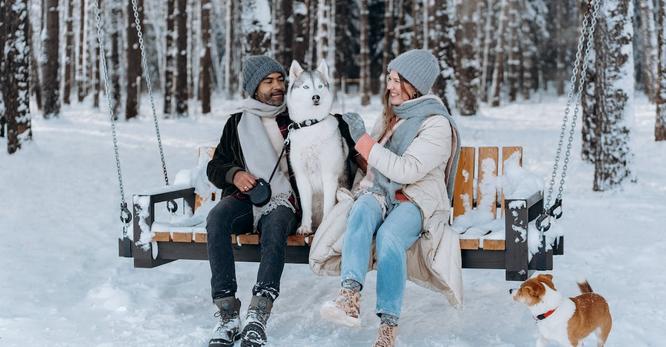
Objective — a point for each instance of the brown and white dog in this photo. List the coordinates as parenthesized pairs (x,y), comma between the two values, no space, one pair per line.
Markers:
(566,321)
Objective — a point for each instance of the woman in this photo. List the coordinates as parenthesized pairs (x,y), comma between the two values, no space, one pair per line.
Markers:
(403,196)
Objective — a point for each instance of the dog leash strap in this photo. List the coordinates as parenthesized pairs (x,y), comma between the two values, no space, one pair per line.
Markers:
(284,147)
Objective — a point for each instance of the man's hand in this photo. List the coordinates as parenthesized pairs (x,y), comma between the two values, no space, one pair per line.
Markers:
(244,181)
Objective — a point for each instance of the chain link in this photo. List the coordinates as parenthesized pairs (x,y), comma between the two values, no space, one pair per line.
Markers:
(146,75)
(586,36)
(112,117)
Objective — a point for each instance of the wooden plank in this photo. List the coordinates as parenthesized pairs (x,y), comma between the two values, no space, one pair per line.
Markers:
(469,243)
(247,239)
(296,240)
(179,236)
(162,236)
(464,184)
(200,237)
(485,154)
(507,152)
(493,245)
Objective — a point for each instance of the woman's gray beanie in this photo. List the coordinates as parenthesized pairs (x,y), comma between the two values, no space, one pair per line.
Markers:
(256,68)
(418,66)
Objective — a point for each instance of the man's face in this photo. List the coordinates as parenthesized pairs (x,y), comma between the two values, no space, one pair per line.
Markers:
(271,89)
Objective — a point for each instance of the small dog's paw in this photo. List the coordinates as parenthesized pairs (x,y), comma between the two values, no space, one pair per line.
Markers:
(304,230)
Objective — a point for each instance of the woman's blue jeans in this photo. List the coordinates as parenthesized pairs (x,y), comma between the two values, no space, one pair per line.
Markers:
(394,236)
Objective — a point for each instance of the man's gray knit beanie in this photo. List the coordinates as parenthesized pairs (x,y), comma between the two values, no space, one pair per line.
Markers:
(418,66)
(256,68)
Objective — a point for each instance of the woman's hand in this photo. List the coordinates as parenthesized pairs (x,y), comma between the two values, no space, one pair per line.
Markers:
(356,125)
(244,181)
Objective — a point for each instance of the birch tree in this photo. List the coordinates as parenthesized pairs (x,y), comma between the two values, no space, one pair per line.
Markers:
(660,124)
(364,84)
(17,79)
(181,59)
(51,66)
(614,94)
(206,64)
(69,52)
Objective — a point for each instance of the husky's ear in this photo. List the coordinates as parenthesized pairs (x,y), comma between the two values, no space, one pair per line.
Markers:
(323,69)
(295,70)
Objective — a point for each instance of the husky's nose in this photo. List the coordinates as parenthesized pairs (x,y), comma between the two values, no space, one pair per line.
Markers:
(315,100)
(511,290)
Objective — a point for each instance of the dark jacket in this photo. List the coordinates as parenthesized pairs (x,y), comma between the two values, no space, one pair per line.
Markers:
(228,157)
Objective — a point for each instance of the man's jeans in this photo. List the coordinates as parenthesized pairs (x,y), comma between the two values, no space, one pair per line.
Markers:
(233,215)
(394,236)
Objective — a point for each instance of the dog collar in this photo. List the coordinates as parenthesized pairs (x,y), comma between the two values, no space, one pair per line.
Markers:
(304,124)
(545,315)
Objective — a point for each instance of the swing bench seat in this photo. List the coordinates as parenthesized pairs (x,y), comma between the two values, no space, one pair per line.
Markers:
(491,251)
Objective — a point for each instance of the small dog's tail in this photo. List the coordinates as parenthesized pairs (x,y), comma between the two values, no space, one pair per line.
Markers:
(584,286)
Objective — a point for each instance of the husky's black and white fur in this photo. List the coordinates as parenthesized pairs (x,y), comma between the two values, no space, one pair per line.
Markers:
(318,151)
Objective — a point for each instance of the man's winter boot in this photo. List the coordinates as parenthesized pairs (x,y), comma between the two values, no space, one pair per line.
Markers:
(227,329)
(254,332)
(345,309)
(386,335)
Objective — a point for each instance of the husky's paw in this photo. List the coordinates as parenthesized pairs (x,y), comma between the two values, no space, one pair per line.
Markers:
(304,230)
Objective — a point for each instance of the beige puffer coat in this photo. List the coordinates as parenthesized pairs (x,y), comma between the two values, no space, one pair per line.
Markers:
(433,261)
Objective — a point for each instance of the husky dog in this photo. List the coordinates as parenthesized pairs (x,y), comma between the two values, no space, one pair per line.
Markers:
(318,151)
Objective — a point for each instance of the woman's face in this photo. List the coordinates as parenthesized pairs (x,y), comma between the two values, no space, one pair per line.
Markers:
(394,86)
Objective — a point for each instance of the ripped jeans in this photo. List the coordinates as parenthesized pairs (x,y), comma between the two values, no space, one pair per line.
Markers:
(394,236)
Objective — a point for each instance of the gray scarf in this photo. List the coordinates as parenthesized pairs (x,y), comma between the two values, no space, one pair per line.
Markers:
(414,112)
(259,154)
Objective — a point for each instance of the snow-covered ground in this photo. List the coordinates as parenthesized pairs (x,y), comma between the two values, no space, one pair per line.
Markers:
(62,283)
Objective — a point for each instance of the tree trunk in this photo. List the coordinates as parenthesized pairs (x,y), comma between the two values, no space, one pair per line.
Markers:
(487,39)
(649,44)
(417,24)
(170,57)
(498,70)
(467,69)
(310,58)
(69,51)
(513,63)
(115,23)
(181,59)
(230,35)
(257,35)
(365,56)
(96,61)
(660,124)
(51,72)
(17,69)
(614,95)
(285,32)
(206,63)
(301,36)
(442,47)
(590,127)
(388,53)
(4,28)
(36,85)
(529,53)
(560,47)
(81,78)
(133,62)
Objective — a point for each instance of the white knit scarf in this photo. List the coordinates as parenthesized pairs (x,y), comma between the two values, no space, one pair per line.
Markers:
(260,155)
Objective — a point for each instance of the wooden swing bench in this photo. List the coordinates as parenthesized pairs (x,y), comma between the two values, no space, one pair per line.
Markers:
(175,243)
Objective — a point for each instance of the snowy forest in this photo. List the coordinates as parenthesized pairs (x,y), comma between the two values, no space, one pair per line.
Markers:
(84,80)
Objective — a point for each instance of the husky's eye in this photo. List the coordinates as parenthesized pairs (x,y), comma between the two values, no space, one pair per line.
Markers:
(306,87)
(320,86)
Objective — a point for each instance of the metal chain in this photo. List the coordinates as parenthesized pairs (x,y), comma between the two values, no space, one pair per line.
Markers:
(146,76)
(590,37)
(576,86)
(125,216)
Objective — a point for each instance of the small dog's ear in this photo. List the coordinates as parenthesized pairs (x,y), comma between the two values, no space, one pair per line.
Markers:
(323,69)
(295,70)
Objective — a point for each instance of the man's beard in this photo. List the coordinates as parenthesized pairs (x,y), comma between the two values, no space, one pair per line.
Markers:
(267,98)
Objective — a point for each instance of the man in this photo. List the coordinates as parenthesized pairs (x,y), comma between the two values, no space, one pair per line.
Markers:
(249,148)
